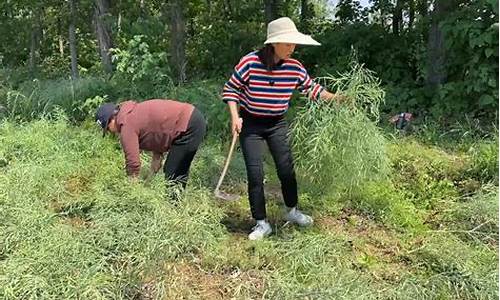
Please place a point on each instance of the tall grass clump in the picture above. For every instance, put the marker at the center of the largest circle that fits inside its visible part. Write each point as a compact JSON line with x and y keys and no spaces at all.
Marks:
{"x":338,"y":147}
{"x":484,"y":160}
{"x":37,"y":98}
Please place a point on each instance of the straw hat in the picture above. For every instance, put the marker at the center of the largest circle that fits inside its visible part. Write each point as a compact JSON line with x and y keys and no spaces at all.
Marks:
{"x":283,"y":30}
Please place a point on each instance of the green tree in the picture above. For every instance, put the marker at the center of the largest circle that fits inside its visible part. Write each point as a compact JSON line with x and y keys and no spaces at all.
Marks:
{"x":349,"y":12}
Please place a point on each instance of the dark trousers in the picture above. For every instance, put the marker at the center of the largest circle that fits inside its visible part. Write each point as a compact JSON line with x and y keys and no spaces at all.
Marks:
{"x":275,"y":132}
{"x":184,"y":148}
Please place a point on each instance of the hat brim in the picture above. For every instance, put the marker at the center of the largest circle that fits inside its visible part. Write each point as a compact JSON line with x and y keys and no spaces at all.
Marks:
{"x":293,"y":38}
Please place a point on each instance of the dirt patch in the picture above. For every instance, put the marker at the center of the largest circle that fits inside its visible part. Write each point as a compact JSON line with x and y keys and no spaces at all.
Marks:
{"x":188,"y":280}
{"x":349,"y":222}
{"x":237,"y":219}
{"x":77,"y":222}
{"x":375,"y":248}
{"x":76,"y":184}
{"x":273,"y":192}
{"x":75,"y":214}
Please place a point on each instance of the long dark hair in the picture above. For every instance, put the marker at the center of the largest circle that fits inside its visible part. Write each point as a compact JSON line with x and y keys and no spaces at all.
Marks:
{"x":266,"y":56}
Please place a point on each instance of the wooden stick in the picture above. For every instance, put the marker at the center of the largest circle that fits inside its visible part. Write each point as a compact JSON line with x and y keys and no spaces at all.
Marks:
{"x":226,"y":164}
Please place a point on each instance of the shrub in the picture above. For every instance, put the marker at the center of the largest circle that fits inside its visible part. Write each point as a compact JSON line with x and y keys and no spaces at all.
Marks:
{"x":140,"y":72}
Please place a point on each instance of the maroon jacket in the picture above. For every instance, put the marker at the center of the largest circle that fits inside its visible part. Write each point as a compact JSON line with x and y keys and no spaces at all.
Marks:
{"x":150,"y":125}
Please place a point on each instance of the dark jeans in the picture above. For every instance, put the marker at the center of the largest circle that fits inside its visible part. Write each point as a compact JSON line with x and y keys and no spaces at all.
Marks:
{"x":184,"y":148}
{"x":275,"y":132}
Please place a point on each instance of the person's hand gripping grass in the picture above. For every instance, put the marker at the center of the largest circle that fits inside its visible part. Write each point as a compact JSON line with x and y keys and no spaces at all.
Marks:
{"x":327,"y":96}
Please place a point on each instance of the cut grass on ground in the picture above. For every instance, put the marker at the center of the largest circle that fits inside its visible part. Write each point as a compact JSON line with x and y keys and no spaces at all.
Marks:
{"x":73,"y":226}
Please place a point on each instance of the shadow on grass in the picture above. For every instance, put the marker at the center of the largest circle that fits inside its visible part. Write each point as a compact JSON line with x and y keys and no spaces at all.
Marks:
{"x":237,"y":223}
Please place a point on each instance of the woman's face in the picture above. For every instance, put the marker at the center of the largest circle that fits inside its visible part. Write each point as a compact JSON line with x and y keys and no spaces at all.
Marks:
{"x":283,"y":50}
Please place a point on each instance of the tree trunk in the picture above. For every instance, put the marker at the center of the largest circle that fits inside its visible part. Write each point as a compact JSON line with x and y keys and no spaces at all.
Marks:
{"x":61,"y":46}
{"x":103,"y":33}
{"x":72,"y":40}
{"x":209,"y":5}
{"x":306,"y":14}
{"x":142,"y":6}
{"x":178,"y":40}
{"x":271,"y":10}
{"x":397,"y":17}
{"x":422,"y":7}
{"x":33,"y":51}
{"x":228,"y":10}
{"x":436,"y":72}
{"x":35,"y":37}
{"x":60,"y":37}
{"x":119,"y":21}
{"x":411,"y":13}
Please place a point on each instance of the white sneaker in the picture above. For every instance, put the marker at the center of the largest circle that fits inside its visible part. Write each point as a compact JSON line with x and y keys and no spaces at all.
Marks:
{"x":262,"y":229}
{"x":297,"y":217}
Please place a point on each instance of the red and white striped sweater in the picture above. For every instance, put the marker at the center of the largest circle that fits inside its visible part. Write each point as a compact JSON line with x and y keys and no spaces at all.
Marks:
{"x":267,"y":93}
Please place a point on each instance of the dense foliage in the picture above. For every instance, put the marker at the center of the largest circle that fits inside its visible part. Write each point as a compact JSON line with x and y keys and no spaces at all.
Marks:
{"x":435,"y":59}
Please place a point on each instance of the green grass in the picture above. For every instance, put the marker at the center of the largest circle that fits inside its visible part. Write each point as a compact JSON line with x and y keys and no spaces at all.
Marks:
{"x":73,"y":226}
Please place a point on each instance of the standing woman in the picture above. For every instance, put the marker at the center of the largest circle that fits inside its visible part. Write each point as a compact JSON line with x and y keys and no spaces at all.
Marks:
{"x":258,"y":94}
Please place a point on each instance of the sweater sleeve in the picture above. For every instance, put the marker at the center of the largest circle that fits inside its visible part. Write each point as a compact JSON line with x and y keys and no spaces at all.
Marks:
{"x":307,"y":86}
{"x":130,"y":144}
{"x":232,"y":88}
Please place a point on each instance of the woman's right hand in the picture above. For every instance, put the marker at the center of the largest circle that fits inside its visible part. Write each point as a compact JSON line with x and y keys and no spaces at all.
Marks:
{"x":236,"y":124}
{"x":236,"y":121}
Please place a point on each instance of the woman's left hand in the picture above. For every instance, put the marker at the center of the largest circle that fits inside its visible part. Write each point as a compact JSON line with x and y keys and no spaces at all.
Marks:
{"x":326,"y":95}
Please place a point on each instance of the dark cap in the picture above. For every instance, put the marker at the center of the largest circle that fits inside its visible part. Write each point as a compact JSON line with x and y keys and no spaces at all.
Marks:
{"x":104,"y":114}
